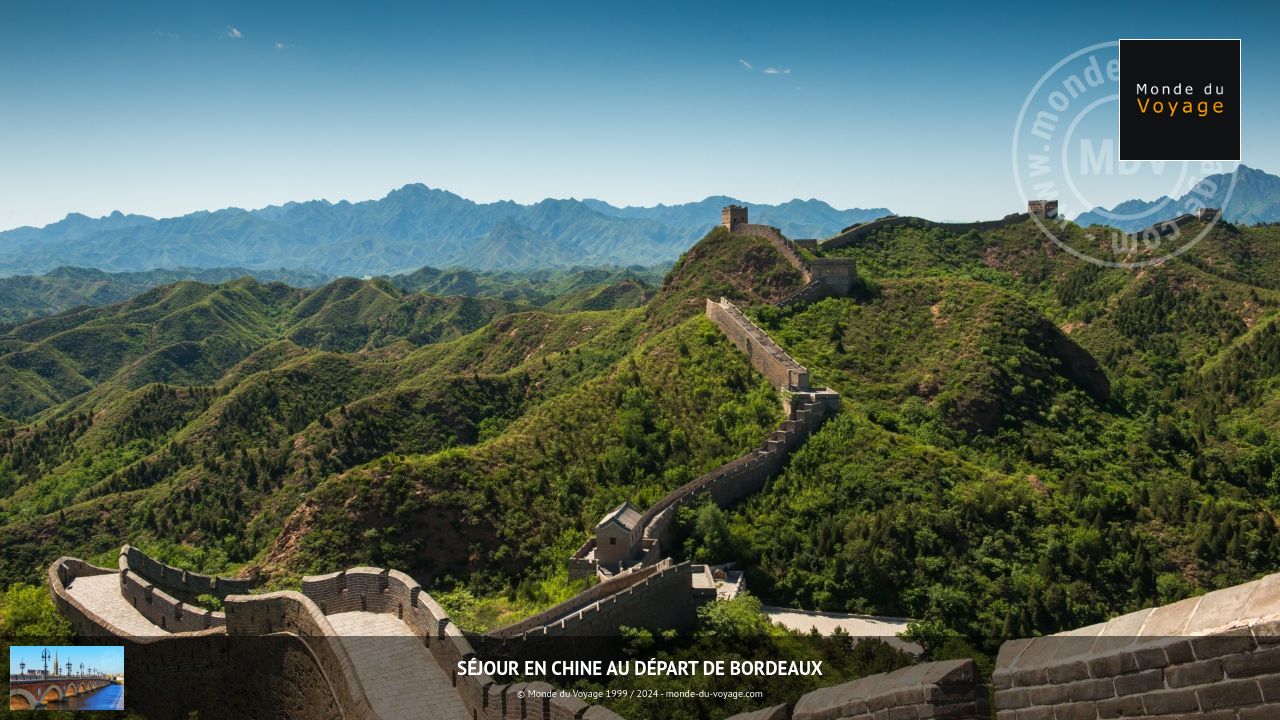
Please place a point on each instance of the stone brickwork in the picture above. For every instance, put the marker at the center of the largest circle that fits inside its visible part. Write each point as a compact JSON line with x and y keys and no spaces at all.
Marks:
{"x":254,"y":616}
{"x":852,"y":234}
{"x":951,"y":689}
{"x":1216,"y":656}
{"x":811,"y":292}
{"x":163,"y":610}
{"x":179,"y":583}
{"x":664,"y":599}
{"x":1044,"y":209}
{"x":590,"y":596}
{"x":208,"y":671}
{"x":764,"y":354}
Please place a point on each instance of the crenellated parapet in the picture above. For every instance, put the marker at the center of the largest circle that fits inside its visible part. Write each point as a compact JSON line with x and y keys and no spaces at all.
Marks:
{"x":1217,"y":655}
{"x":178,"y":582}
{"x":286,"y":654}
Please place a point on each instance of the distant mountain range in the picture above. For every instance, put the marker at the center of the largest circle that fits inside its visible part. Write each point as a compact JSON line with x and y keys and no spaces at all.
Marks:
{"x":1255,"y":199}
{"x":411,"y":227}
{"x":28,"y":296}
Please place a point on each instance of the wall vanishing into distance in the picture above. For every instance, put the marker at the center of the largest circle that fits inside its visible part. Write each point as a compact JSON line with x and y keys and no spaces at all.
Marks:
{"x":805,"y":407}
{"x":854,"y":233}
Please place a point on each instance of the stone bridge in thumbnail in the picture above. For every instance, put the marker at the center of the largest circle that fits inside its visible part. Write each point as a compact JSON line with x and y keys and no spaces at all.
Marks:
{"x":31,"y":691}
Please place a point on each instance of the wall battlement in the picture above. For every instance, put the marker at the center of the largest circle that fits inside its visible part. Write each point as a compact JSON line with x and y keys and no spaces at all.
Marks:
{"x":1217,"y":655}
{"x":1214,"y":656}
{"x":180,"y":583}
{"x":764,"y":354}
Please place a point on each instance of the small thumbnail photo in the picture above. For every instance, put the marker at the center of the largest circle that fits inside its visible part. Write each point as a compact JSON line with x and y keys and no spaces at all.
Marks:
{"x":66,"y":677}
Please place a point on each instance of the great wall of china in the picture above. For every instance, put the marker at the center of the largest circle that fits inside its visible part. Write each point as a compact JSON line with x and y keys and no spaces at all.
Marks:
{"x":852,"y":234}
{"x":369,"y":643}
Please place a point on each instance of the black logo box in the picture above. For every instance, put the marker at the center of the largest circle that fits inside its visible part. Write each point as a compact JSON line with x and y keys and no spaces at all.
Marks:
{"x":1182,"y":64}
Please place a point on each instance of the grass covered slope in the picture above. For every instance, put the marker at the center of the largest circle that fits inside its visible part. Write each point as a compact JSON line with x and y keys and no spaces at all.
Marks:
{"x":677,"y":406}
{"x":745,"y":269}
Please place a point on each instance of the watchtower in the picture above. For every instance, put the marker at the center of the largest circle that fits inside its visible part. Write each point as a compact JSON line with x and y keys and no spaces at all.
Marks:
{"x":618,"y":535}
{"x":1044,"y":209}
{"x":733,"y":215}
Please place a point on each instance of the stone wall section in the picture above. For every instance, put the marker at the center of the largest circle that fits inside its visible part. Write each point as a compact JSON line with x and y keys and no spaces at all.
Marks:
{"x":254,"y":616}
{"x":732,"y":482}
{"x":163,"y":610}
{"x":662,"y":599}
{"x":208,"y":671}
{"x":854,"y":233}
{"x":951,"y":689}
{"x":766,"y":357}
{"x":812,"y":292}
{"x":827,"y":276}
{"x":587,"y":597}
{"x":1216,"y":656}
{"x":1161,"y":229}
{"x":784,"y":246}
{"x":177,"y":582}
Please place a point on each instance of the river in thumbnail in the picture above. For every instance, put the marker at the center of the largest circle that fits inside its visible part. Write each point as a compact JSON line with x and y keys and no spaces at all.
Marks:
{"x":110,"y":697}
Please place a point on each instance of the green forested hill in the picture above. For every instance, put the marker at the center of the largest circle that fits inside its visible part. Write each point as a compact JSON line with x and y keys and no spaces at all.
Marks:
{"x":25,"y":297}
{"x":1028,"y":442}
{"x":982,"y":476}
{"x":228,"y":418}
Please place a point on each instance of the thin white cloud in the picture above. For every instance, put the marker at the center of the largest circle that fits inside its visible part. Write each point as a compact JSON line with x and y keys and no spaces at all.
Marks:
{"x":166,"y":35}
{"x":283,"y":46}
{"x":746,"y":64}
{"x":234,"y":33}
{"x":777,"y":71}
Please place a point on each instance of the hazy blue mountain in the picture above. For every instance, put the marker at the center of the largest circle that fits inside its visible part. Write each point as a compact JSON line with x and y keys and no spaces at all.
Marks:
{"x":411,"y":227}
{"x":1255,"y":199}
{"x":510,"y":245}
{"x":72,"y":227}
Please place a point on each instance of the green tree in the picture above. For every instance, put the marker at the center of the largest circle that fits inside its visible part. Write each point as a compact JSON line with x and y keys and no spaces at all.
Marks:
{"x":27,"y":614}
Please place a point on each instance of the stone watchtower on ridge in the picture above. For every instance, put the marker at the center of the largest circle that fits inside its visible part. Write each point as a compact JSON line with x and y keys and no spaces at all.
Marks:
{"x":1046,"y":209}
{"x":733,"y":215}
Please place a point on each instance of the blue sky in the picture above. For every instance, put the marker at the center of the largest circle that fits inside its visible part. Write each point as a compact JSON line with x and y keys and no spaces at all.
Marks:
{"x":166,"y":108}
{"x":108,"y":659}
